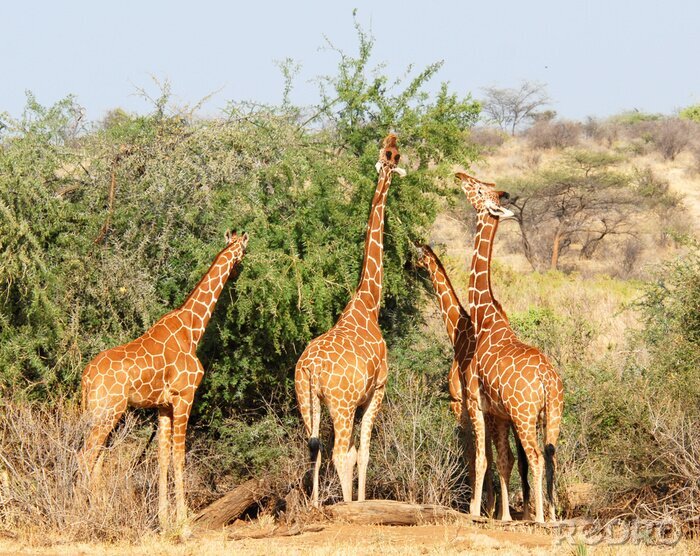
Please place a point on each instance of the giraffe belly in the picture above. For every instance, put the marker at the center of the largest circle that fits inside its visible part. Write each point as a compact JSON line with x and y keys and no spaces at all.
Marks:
{"x":492,"y":403}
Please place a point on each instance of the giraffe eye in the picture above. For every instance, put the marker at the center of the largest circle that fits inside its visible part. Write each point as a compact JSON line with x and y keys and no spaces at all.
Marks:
{"x":388,"y":155}
{"x":396,"y":158}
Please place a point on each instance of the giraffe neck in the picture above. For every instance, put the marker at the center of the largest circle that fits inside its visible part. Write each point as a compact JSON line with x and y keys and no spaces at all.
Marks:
{"x":201,"y":302}
{"x":369,"y":291}
{"x":484,"y":310}
{"x":450,"y":307}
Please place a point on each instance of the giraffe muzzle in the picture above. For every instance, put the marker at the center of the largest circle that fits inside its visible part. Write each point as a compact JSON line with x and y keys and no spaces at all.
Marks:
{"x":499,"y":211}
{"x":399,"y":171}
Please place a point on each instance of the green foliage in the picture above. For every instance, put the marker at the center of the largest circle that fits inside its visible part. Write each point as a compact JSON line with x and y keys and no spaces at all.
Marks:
{"x":671,"y":316}
{"x":362,"y":104}
{"x":563,"y":338}
{"x":691,"y":113}
{"x":303,"y":194}
{"x":635,"y":116}
{"x":257,"y":447}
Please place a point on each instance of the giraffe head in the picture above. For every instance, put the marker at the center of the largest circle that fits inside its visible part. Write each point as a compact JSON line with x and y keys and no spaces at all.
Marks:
{"x":389,"y":156}
{"x":423,"y":255}
{"x":484,"y":196}
{"x":236,"y":243}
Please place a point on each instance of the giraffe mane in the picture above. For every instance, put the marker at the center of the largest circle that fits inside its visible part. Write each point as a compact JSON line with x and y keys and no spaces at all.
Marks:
{"x":463,"y":176}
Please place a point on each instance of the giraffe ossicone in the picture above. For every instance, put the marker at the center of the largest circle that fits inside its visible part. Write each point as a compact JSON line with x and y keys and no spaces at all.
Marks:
{"x":347,"y":366}
{"x":158,"y":369}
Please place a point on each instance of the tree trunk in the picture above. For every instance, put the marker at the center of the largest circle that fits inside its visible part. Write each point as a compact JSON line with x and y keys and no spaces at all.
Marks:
{"x":555,"y":250}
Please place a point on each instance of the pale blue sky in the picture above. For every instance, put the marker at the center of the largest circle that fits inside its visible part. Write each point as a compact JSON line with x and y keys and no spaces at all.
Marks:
{"x":597,"y":57}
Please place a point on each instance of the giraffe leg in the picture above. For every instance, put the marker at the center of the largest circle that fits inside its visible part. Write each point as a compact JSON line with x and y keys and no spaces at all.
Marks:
{"x":315,"y":427}
{"x":350,"y":463}
{"x":527,"y":432}
{"x":504,"y":462}
{"x":458,"y":407}
{"x":490,"y":505}
{"x":105,"y":419}
{"x":365,"y":436}
{"x":165,"y":428}
{"x":466,"y":432}
{"x":181,"y":414}
{"x":552,"y":424}
{"x":342,"y":426}
{"x":523,"y":471}
{"x":477,"y":418}
{"x":97,"y":468}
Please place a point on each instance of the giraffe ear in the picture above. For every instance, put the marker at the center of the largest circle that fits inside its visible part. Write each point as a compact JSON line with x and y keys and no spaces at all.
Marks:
{"x":378,"y":166}
{"x":227,"y":236}
{"x":461,"y":176}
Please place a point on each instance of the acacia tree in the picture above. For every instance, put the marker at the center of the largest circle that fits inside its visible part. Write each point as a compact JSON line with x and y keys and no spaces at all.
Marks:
{"x":581,"y":201}
{"x":510,"y":107}
{"x":301,"y":191}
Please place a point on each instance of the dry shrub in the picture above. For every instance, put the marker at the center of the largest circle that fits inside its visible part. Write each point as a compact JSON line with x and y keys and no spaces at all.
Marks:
{"x":631,"y":250}
{"x":604,"y":133}
{"x":270,"y":447}
{"x":695,"y":151}
{"x":650,"y":466}
{"x":45,"y":498}
{"x":416,"y":454}
{"x":677,"y":439}
{"x":670,"y":137}
{"x":488,"y":138}
{"x":554,"y":134}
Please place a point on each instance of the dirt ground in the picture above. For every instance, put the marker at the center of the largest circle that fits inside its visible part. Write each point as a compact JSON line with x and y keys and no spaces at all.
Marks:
{"x":351,"y":540}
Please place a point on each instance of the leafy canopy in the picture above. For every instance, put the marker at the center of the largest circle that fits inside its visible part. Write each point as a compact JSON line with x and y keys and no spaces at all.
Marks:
{"x":87,"y":265}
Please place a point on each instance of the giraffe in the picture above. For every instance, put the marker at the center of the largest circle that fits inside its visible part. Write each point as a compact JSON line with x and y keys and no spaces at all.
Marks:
{"x":461,"y":334}
{"x":347,"y":366}
{"x":158,"y":369}
{"x":508,"y":379}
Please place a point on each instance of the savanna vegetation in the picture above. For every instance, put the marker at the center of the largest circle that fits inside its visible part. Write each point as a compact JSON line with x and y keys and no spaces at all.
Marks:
{"x":106,"y":226}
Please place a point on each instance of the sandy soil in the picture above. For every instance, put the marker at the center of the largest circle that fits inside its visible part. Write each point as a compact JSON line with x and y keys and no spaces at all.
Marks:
{"x":351,"y":540}
{"x":341,"y":539}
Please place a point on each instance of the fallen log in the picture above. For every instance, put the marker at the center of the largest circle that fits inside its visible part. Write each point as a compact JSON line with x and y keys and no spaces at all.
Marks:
{"x":391,"y":512}
{"x":232,"y":505}
{"x":275,"y":531}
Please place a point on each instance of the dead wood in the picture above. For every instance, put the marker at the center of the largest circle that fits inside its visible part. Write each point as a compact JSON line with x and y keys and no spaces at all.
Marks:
{"x":390,"y":512}
{"x":276,"y":531}
{"x":232,"y":505}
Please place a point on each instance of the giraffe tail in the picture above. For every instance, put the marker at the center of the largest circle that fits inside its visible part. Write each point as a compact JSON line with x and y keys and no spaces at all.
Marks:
{"x":314,"y":447}
{"x":314,"y":441}
{"x":553,"y":419}
{"x":549,"y":471}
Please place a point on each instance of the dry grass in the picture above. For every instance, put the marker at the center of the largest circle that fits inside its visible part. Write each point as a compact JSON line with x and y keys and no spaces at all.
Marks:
{"x":45,"y":498}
